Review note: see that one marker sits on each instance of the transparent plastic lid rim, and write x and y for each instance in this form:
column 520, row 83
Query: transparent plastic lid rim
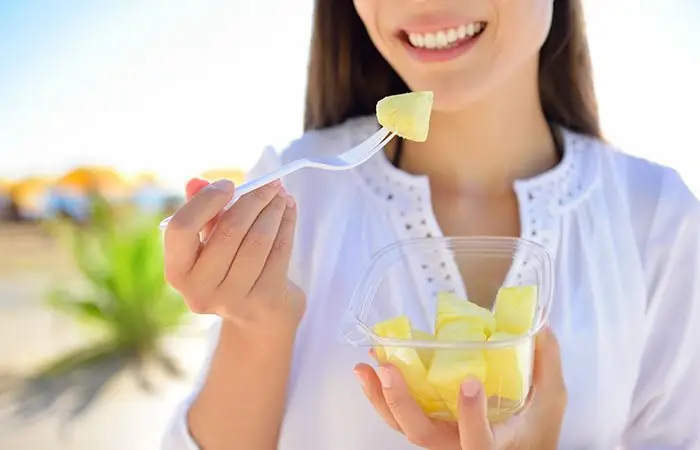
column 357, row 333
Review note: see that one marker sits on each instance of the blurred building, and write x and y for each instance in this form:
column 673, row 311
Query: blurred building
column 235, row 175
column 28, row 198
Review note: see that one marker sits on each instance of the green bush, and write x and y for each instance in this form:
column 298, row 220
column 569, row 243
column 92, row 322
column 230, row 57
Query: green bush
column 119, row 255
column 121, row 296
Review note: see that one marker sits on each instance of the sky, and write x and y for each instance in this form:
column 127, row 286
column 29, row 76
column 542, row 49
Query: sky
column 182, row 86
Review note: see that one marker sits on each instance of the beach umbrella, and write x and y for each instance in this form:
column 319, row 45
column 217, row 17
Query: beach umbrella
column 235, row 175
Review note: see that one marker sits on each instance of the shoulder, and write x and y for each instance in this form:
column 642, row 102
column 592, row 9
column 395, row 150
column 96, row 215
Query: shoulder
column 652, row 204
column 304, row 184
column 317, row 143
column 651, row 190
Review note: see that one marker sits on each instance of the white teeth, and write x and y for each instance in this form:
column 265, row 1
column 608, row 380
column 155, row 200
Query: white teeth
column 462, row 31
column 471, row 29
column 441, row 39
column 445, row 38
column 416, row 40
column 452, row 35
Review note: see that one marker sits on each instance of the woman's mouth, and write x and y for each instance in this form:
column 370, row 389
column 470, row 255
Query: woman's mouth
column 445, row 39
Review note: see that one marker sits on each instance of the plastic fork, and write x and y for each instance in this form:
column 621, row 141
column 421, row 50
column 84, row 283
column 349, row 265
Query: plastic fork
column 347, row 160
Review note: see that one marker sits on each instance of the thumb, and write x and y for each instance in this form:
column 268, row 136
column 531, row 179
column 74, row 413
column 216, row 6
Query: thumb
column 548, row 397
column 474, row 428
column 548, row 384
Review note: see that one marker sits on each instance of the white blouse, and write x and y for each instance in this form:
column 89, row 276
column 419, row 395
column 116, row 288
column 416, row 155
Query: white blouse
column 625, row 235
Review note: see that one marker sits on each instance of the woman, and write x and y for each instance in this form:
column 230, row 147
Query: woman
column 514, row 150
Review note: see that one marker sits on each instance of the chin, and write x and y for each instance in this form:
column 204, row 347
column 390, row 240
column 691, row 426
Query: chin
column 450, row 103
column 452, row 97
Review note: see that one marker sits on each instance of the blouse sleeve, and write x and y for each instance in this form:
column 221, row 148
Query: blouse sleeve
column 665, row 412
column 177, row 435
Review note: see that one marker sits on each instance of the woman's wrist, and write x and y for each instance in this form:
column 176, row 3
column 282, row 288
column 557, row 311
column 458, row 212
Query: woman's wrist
column 253, row 338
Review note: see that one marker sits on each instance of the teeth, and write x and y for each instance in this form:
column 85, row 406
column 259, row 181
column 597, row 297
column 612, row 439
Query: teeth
column 461, row 31
column 416, row 40
column 445, row 38
column 471, row 29
column 452, row 35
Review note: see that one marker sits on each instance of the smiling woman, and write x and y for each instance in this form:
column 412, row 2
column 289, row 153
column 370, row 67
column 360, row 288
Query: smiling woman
column 344, row 55
column 513, row 150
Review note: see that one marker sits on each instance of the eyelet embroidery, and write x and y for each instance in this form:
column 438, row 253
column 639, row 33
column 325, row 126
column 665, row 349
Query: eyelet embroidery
column 543, row 198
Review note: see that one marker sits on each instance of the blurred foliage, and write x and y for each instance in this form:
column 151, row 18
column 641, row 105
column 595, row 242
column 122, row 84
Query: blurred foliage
column 126, row 300
column 121, row 297
column 119, row 254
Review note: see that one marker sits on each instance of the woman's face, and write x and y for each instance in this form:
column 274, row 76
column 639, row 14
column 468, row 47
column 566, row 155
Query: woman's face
column 459, row 49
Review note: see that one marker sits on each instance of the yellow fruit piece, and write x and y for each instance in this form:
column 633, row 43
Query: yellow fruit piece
column 450, row 307
column 407, row 115
column 394, row 328
column 451, row 367
column 426, row 354
column 508, row 369
column 515, row 309
column 408, row 361
column 400, row 328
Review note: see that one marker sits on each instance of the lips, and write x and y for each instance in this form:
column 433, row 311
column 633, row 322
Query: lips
column 436, row 42
column 444, row 38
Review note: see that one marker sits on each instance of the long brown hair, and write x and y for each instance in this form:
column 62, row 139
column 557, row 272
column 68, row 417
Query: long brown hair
column 347, row 75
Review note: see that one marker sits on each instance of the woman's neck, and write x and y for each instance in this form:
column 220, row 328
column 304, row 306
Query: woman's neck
column 500, row 138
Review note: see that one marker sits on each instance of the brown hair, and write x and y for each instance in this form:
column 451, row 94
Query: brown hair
column 347, row 75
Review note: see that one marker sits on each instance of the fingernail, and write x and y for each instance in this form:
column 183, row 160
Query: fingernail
column 283, row 191
column 275, row 184
column 470, row 388
column 290, row 201
column 385, row 377
column 360, row 379
column 223, row 185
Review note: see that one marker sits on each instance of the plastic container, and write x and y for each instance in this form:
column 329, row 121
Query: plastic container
column 411, row 281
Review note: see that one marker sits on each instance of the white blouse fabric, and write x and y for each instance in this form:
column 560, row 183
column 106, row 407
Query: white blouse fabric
column 625, row 235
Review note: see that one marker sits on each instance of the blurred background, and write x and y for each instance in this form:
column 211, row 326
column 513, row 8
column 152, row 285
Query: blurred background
column 107, row 108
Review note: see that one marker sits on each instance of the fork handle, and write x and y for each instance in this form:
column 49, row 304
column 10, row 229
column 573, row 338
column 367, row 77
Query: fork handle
column 252, row 185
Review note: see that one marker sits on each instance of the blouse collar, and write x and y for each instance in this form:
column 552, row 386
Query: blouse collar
column 557, row 190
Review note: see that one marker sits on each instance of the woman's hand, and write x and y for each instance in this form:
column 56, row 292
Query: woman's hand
column 234, row 264
column 537, row 427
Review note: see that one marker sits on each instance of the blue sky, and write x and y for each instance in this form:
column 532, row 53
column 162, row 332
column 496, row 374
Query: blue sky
column 142, row 86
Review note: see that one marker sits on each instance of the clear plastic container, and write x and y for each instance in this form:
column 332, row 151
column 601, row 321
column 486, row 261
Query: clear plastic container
column 411, row 307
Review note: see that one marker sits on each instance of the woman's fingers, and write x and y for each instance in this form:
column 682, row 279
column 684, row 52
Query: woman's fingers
column 417, row 427
column 225, row 239
column 474, row 428
column 191, row 189
column 277, row 264
column 193, row 186
column 182, row 241
column 255, row 248
column 373, row 391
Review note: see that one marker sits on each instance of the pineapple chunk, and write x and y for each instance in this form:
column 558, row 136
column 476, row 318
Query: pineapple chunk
column 426, row 354
column 508, row 369
column 515, row 309
column 451, row 367
column 450, row 307
column 407, row 115
column 394, row 328
column 408, row 361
